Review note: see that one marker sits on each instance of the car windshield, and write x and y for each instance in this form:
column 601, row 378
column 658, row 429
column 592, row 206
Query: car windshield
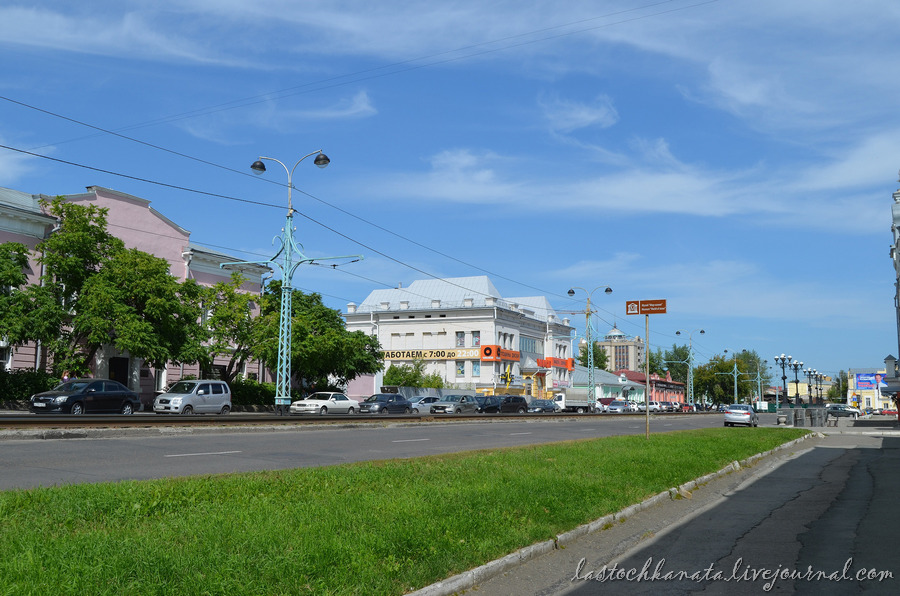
column 617, row 403
column 377, row 397
column 182, row 387
column 736, row 407
column 72, row 386
column 324, row 396
column 543, row 403
column 451, row 398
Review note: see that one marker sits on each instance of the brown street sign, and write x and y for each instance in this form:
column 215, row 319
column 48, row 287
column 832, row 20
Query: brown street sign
column 645, row 307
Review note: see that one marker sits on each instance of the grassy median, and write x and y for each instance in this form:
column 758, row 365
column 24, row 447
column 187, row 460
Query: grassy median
column 383, row 527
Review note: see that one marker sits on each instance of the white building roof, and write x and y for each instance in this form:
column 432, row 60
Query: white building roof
column 455, row 292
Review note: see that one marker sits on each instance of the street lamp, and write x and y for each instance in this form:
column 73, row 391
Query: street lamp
column 782, row 361
column 810, row 375
column 288, row 258
column 820, row 379
column 690, row 378
column 796, row 366
column 590, row 344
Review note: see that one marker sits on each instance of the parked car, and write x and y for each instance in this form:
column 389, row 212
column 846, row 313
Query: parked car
column 603, row 403
column 80, row 396
column 514, row 403
column 545, row 406
column 688, row 408
column 194, row 397
column 741, row 414
column 385, row 403
column 889, row 412
column 421, row 404
column 455, row 404
column 617, row 407
column 324, row 402
column 488, row 404
column 653, row 405
column 842, row 410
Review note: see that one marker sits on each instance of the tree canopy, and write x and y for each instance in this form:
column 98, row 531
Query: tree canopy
column 600, row 360
column 323, row 352
column 412, row 375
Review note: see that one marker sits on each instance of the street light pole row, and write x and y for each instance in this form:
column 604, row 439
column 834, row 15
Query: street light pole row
column 590, row 343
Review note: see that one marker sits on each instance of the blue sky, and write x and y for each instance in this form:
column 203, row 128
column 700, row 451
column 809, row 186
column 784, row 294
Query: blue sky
column 734, row 157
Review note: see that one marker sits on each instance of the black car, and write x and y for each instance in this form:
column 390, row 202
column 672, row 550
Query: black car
column 488, row 404
column 91, row 396
column 385, row 403
column 543, row 406
column 514, row 403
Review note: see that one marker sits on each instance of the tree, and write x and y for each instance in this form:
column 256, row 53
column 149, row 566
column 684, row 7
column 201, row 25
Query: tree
column 677, row 361
column 412, row 375
column 716, row 380
column 657, row 364
column 323, row 352
column 134, row 304
column 600, row 360
column 94, row 292
column 230, row 323
column 838, row 390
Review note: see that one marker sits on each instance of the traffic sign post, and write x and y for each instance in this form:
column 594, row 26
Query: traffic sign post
column 646, row 308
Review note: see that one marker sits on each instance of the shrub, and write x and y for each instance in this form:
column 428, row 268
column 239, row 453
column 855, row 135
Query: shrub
column 22, row 384
column 247, row 392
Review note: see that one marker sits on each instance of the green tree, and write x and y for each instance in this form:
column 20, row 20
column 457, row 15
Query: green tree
column 600, row 360
column 323, row 352
column 412, row 375
column 676, row 360
column 838, row 390
column 231, row 324
column 657, row 362
column 134, row 304
column 716, row 381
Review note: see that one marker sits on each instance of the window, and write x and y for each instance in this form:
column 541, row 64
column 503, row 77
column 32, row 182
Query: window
column 460, row 339
column 476, row 368
column 476, row 338
column 460, row 368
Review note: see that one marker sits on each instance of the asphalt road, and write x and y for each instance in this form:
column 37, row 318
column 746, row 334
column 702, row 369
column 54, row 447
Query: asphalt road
column 138, row 454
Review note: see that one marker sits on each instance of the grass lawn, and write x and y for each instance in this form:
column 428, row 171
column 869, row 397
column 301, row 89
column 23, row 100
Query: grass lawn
column 384, row 527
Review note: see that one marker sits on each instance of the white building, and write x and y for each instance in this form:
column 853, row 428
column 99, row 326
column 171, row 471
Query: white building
column 469, row 335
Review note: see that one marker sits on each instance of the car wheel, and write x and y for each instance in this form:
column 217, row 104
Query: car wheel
column 77, row 408
column 415, row 410
column 351, row 411
column 187, row 411
column 323, row 410
column 756, row 423
column 726, row 424
column 128, row 409
column 521, row 410
column 580, row 410
column 384, row 410
column 458, row 410
column 225, row 410
column 406, row 411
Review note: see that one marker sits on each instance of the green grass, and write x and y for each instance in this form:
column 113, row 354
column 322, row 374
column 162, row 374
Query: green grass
column 384, row 527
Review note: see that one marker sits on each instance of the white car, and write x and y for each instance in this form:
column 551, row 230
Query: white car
column 323, row 403
column 653, row 405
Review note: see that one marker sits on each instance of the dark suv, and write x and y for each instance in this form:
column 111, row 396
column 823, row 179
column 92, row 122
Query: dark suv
column 513, row 403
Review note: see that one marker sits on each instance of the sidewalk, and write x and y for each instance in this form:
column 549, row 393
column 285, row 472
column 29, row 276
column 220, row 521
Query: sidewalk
column 784, row 511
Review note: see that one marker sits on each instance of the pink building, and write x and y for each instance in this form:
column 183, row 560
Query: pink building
column 139, row 226
column 661, row 389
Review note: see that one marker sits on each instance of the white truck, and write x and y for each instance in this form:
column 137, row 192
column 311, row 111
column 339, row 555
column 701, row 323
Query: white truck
column 574, row 400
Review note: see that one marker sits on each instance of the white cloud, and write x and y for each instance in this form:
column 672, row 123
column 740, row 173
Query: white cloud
column 567, row 116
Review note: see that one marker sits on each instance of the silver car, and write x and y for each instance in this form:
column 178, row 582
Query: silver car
column 617, row 407
column 741, row 414
column 422, row 403
column 194, row 397
column 455, row 404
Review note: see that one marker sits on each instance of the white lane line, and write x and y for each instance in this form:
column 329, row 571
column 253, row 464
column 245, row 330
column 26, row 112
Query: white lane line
column 514, row 434
column 409, row 440
column 197, row 454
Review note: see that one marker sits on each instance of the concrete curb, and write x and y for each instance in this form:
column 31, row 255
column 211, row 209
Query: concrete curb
column 469, row 579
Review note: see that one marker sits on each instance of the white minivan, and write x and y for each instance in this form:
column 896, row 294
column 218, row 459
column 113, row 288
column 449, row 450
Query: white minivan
column 194, row 397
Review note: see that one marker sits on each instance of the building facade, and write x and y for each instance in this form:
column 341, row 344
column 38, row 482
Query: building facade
column 622, row 352
column 661, row 388
column 468, row 334
column 139, row 226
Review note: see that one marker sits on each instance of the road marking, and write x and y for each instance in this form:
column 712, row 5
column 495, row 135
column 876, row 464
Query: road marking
column 409, row 440
column 197, row 454
column 513, row 434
